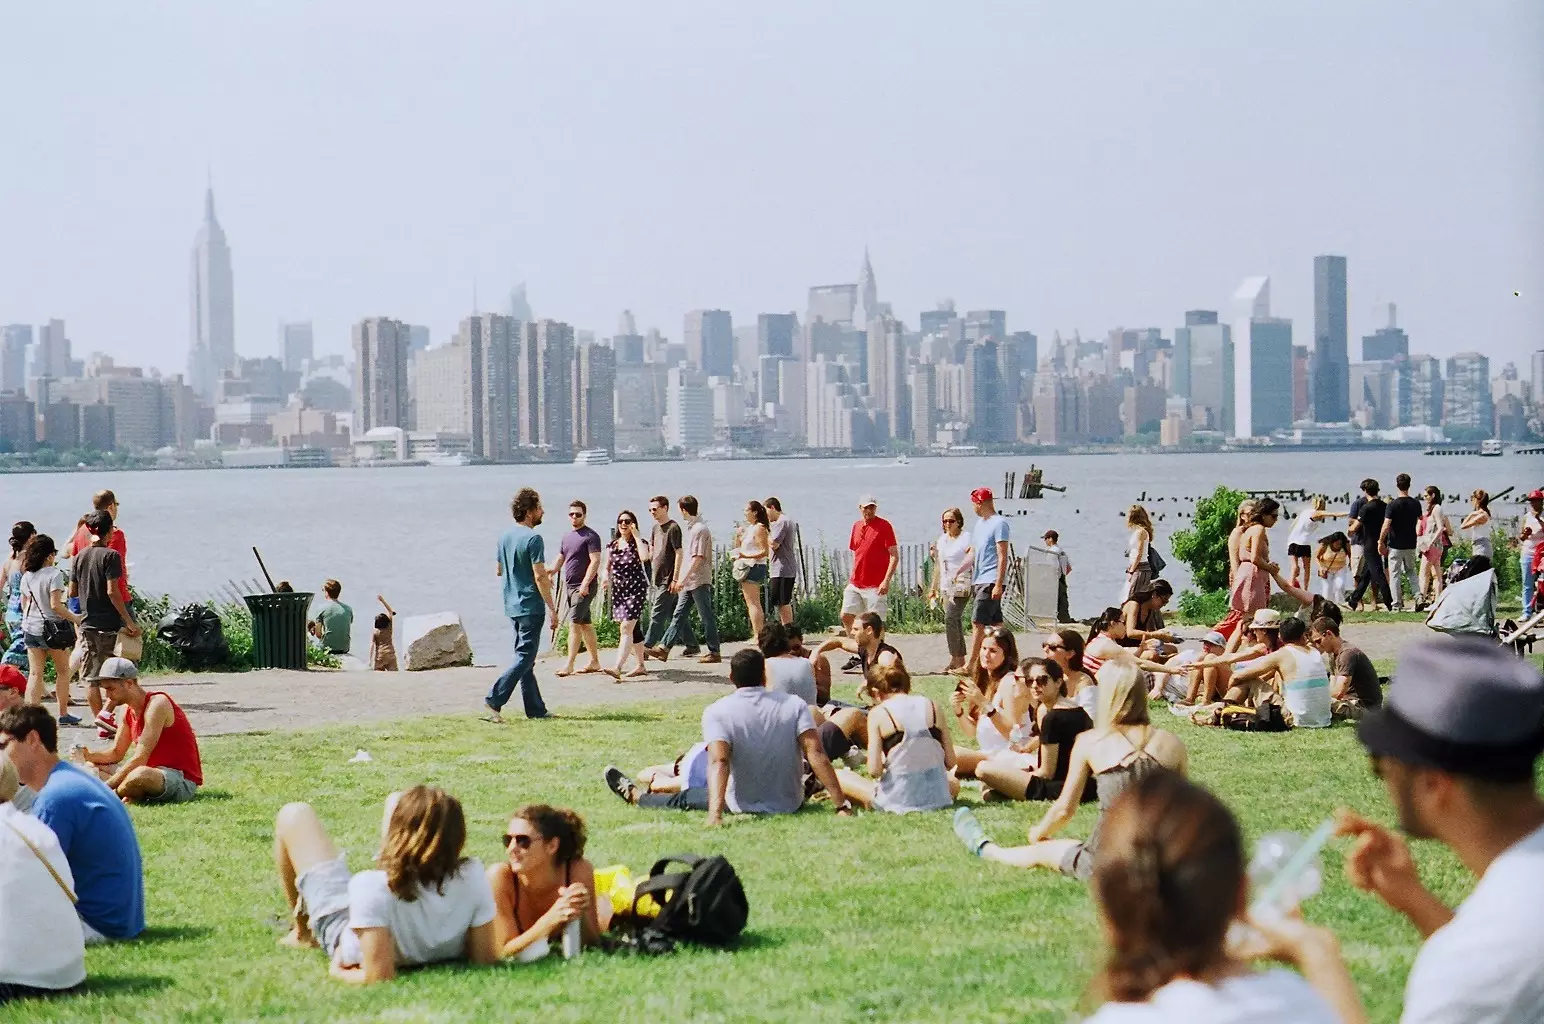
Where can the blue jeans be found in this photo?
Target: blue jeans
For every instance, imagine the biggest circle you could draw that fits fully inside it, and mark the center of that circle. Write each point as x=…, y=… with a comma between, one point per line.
x=522, y=671
x=1529, y=581
x=702, y=599
x=686, y=800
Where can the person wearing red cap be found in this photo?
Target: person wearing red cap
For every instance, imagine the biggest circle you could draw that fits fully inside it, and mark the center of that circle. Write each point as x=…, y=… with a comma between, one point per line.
x=13, y=694
x=1532, y=533
x=989, y=539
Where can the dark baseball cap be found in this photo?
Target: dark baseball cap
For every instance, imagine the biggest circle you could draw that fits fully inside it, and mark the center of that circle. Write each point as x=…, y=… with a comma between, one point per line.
x=1464, y=705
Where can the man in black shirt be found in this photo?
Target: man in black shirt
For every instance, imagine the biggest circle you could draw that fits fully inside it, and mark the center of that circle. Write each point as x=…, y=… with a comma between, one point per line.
x=94, y=580
x=1398, y=541
x=664, y=553
x=1354, y=683
x=1368, y=512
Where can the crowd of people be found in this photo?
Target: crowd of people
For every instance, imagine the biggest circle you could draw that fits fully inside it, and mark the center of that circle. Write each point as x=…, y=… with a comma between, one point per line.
x=1456, y=741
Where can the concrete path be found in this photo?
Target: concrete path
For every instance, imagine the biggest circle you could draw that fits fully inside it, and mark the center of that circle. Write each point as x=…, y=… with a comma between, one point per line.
x=236, y=702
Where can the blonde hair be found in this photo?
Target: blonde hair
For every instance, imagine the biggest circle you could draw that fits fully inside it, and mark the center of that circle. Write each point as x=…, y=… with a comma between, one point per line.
x=1246, y=511
x=1136, y=515
x=884, y=680
x=1122, y=695
x=1318, y=502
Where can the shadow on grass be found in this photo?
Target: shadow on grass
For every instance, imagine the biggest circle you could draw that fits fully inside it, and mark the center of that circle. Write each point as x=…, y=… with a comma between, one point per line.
x=123, y=985
x=613, y=716
x=173, y=933
x=215, y=794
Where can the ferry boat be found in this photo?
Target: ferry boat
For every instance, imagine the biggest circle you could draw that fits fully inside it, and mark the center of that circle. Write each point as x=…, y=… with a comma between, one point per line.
x=593, y=457
x=1491, y=449
x=447, y=459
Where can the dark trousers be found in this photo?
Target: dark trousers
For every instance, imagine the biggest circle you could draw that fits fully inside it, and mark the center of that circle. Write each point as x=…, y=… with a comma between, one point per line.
x=522, y=671
x=680, y=630
x=686, y=800
x=1371, y=573
x=662, y=605
x=1063, y=614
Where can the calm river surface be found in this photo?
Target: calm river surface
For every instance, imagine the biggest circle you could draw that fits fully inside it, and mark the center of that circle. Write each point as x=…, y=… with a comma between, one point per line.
x=425, y=536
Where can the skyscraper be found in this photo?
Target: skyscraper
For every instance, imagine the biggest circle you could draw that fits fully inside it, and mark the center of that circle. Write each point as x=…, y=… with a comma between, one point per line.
x=1467, y=401
x=51, y=358
x=924, y=399
x=297, y=344
x=688, y=410
x=442, y=389
x=832, y=303
x=380, y=375
x=776, y=333
x=213, y=306
x=1331, y=361
x=554, y=397
x=709, y=337
x=15, y=339
x=1262, y=363
x=1387, y=342
x=868, y=293
x=983, y=324
x=1182, y=347
x=595, y=398
x=492, y=343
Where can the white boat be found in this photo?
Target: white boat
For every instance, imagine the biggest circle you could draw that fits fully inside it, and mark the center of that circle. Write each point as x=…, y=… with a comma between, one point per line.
x=447, y=459
x=901, y=460
x=593, y=457
x=1491, y=449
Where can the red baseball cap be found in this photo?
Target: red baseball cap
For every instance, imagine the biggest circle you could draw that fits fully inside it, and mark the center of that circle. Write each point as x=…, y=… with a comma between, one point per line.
x=1535, y=495
x=11, y=677
x=981, y=494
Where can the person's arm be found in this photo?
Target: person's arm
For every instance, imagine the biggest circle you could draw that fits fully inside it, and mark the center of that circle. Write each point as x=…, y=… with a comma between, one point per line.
x=1242, y=654
x=832, y=643
x=544, y=584
x=1315, y=953
x=589, y=923
x=158, y=715
x=480, y=947
x=1066, y=804
x=114, y=593
x=945, y=739
x=590, y=572
x=61, y=609
x=113, y=754
x=1303, y=597
x=377, y=959
x=1383, y=536
x=1138, y=552
x=718, y=780
x=876, y=744
x=569, y=905
x=1266, y=666
x=895, y=560
x=392, y=612
x=1002, y=568
x=1379, y=862
x=820, y=764
x=938, y=570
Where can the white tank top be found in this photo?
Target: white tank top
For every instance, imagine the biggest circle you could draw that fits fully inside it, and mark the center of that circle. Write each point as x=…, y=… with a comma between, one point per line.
x=1307, y=689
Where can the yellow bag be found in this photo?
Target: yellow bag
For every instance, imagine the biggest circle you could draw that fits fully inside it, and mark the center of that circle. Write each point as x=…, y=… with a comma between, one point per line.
x=616, y=885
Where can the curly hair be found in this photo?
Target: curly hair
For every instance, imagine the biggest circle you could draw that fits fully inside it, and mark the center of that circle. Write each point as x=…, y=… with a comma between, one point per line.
x=525, y=502
x=423, y=842
x=557, y=823
x=37, y=552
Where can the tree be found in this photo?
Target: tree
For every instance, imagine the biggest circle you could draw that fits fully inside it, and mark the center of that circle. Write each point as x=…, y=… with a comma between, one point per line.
x=1204, y=547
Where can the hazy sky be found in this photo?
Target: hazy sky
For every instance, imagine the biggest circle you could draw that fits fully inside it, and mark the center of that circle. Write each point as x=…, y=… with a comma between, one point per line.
x=1079, y=165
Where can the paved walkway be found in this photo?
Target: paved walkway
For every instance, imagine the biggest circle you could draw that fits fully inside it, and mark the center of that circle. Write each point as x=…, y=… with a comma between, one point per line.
x=236, y=702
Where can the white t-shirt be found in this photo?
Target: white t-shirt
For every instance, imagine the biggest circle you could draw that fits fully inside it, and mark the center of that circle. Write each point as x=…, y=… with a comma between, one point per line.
x=1136, y=544
x=41, y=942
x=1484, y=966
x=1269, y=997
x=1304, y=528
x=428, y=930
x=792, y=675
x=762, y=728
x=1536, y=526
x=951, y=558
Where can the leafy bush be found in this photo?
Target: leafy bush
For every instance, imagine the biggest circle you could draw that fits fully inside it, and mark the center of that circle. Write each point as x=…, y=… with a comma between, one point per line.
x=1203, y=609
x=1204, y=547
x=1506, y=562
x=235, y=623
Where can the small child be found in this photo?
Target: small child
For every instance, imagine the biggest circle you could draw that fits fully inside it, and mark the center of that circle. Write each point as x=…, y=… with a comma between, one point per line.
x=383, y=652
x=1332, y=577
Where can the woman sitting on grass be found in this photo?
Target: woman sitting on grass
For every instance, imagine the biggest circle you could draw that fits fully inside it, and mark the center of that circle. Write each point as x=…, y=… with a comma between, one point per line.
x=1122, y=748
x=991, y=703
x=425, y=903
x=545, y=882
x=1169, y=884
x=1065, y=647
x=908, y=752
x=1057, y=723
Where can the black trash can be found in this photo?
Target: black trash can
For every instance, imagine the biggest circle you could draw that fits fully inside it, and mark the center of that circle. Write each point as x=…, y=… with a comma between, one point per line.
x=278, y=629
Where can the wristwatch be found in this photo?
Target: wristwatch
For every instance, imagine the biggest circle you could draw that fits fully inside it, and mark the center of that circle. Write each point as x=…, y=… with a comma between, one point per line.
x=991, y=712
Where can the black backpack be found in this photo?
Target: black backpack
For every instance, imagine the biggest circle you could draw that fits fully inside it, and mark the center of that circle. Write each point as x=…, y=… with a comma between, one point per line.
x=704, y=904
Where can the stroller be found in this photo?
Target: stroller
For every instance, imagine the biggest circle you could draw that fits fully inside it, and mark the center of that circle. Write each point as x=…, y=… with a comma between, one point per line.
x=1467, y=607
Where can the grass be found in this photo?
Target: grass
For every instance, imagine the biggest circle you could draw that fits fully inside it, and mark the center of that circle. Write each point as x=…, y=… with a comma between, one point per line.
x=879, y=918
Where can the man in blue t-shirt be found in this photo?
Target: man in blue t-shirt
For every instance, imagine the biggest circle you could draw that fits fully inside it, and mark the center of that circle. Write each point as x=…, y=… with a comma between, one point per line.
x=93, y=827
x=527, y=599
x=989, y=538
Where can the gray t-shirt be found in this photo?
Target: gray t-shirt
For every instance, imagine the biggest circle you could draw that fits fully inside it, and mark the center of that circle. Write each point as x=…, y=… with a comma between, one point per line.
x=762, y=728
x=785, y=558
x=792, y=675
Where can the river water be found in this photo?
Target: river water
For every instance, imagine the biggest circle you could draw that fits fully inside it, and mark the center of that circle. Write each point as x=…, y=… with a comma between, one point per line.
x=425, y=536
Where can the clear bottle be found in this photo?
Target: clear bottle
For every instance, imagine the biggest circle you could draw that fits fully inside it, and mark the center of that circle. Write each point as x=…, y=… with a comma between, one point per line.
x=1285, y=871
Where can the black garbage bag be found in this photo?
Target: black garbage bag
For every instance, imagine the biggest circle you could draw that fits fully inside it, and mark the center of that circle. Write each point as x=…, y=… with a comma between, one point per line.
x=194, y=632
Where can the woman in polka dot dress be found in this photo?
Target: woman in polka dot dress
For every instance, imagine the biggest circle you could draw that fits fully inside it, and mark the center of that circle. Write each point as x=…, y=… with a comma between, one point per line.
x=625, y=575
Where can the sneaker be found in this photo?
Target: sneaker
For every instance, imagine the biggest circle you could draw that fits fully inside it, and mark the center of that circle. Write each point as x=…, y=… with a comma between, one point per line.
x=691, y=652
x=69, y=719
x=618, y=782
x=970, y=831
x=709, y=659
x=107, y=725
x=853, y=664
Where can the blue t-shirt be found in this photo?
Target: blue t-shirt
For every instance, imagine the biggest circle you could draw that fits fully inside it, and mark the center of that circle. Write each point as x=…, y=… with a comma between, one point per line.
x=98, y=840
x=520, y=549
x=984, y=536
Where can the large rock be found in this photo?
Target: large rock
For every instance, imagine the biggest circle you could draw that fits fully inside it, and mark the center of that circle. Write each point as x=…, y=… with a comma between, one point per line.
x=434, y=641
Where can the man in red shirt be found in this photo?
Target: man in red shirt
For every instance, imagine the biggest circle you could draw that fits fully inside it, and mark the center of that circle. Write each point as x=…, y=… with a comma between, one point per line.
x=104, y=501
x=874, y=558
x=164, y=766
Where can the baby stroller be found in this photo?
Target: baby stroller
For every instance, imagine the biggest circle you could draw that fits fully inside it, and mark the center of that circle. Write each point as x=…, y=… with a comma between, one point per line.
x=1466, y=607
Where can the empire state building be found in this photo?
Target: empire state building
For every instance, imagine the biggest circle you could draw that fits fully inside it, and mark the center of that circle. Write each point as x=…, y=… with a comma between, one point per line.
x=212, y=306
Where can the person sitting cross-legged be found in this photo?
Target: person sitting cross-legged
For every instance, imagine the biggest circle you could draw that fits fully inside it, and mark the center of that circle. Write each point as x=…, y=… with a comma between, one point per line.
x=426, y=903
x=154, y=758
x=909, y=751
x=1037, y=768
x=758, y=740
x=544, y=882
x=42, y=947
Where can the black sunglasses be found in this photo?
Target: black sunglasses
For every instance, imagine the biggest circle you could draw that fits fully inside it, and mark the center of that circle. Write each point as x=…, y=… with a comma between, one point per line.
x=627, y=522
x=572, y=514
x=521, y=841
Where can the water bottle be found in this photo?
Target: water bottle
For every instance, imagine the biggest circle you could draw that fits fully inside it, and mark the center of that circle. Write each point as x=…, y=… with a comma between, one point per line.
x=571, y=943
x=1285, y=871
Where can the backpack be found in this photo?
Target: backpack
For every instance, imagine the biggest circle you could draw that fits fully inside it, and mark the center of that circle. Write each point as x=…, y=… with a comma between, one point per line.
x=1267, y=717
x=1155, y=561
x=703, y=904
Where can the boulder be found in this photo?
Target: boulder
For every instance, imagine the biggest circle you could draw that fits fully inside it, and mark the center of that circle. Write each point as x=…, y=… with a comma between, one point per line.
x=434, y=641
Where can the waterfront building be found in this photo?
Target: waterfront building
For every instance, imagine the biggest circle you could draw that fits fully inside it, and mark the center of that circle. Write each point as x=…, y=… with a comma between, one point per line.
x=831, y=304
x=380, y=375
x=554, y=385
x=417, y=338
x=1204, y=358
x=1143, y=408
x=442, y=388
x=1427, y=391
x=1262, y=363
x=1183, y=347
x=1387, y=342
x=688, y=410
x=52, y=357
x=1331, y=384
x=595, y=384
x=490, y=385
x=99, y=426
x=640, y=407
x=1375, y=394
x=923, y=385
x=1302, y=369
x=985, y=325
x=296, y=345
x=18, y=423
x=1466, y=396
x=709, y=337
x=213, y=307
x=776, y=333
x=1059, y=415
x=15, y=340
x=61, y=425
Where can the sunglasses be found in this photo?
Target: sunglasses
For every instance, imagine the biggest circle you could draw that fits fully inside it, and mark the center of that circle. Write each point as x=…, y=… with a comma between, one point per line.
x=576, y=515
x=1041, y=680
x=948, y=520
x=522, y=841
x=1048, y=646
x=627, y=522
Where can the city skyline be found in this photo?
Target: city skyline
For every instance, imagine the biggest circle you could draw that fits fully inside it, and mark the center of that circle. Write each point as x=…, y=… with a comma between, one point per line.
x=1059, y=226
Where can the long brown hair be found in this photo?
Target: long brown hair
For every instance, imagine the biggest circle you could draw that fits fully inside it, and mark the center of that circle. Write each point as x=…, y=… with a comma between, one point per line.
x=423, y=842
x=1073, y=641
x=1010, y=648
x=1167, y=880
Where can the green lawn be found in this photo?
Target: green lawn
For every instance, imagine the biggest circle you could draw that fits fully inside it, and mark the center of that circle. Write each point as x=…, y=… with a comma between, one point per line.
x=878, y=918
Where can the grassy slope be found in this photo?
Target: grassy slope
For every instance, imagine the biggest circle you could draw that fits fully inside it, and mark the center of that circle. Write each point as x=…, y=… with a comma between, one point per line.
x=880, y=918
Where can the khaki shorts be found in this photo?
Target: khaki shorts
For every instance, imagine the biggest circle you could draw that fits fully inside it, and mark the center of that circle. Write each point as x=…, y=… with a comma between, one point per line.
x=856, y=602
x=176, y=788
x=96, y=647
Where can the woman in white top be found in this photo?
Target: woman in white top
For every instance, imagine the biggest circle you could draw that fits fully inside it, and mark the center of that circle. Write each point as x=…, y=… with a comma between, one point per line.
x=42, y=947
x=909, y=752
x=953, y=561
x=751, y=561
x=425, y=904
x=47, y=624
x=1139, y=542
x=1300, y=542
x=1477, y=530
x=1431, y=544
x=992, y=703
x=1304, y=685
x=1169, y=884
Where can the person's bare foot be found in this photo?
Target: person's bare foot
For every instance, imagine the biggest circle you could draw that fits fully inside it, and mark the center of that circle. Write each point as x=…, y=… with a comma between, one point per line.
x=639, y=671
x=294, y=939
x=590, y=670
x=565, y=672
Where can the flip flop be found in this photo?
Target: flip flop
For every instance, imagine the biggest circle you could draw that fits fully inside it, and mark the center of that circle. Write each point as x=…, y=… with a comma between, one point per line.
x=563, y=673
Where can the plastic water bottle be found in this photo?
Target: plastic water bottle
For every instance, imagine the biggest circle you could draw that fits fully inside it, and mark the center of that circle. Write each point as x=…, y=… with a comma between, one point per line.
x=1285, y=871
x=571, y=942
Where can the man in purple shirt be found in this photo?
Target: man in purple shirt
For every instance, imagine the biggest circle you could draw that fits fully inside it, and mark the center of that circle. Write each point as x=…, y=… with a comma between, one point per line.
x=578, y=565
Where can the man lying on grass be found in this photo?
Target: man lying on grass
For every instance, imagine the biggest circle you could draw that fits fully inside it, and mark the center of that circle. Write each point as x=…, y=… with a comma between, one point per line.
x=425, y=904
x=154, y=758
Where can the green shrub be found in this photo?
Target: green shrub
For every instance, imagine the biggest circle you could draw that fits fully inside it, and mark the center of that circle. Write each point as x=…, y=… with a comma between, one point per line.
x=1198, y=609
x=235, y=623
x=1204, y=547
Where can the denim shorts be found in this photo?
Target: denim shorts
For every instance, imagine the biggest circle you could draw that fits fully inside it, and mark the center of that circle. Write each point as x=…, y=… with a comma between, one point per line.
x=176, y=788
x=323, y=892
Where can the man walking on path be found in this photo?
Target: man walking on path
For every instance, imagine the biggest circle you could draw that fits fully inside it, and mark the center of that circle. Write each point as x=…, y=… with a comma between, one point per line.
x=579, y=564
x=989, y=538
x=1456, y=744
x=104, y=612
x=785, y=561
x=694, y=587
x=527, y=599
x=1530, y=538
x=1400, y=527
x=164, y=766
x=664, y=558
x=1367, y=516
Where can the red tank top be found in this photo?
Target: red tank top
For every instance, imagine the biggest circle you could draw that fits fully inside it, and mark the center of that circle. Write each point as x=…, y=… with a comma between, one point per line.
x=177, y=748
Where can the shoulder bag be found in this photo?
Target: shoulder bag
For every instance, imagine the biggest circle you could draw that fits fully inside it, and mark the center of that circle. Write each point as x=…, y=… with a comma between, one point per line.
x=39, y=854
